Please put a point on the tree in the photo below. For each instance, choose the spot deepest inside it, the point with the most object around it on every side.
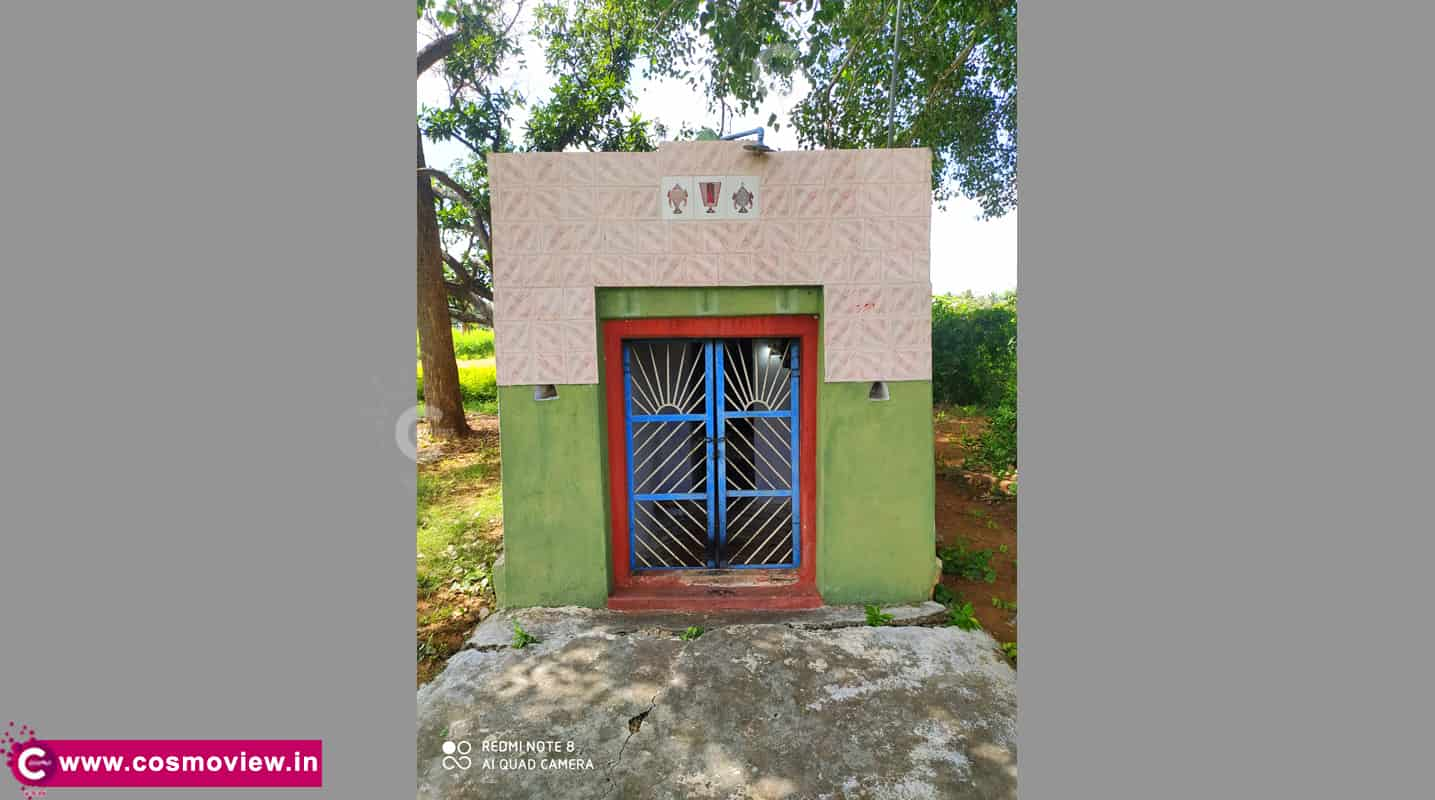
(472, 48)
(591, 50)
(443, 398)
(955, 87)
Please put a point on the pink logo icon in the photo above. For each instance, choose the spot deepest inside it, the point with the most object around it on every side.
(31, 761)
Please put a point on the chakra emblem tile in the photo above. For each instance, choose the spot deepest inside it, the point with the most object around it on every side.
(743, 196)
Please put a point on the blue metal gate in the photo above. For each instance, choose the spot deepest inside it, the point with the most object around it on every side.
(712, 454)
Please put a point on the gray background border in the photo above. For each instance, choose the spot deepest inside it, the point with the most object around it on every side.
(207, 320)
(1224, 386)
(206, 324)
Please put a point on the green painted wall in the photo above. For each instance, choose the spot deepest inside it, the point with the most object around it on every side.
(555, 534)
(875, 482)
(732, 301)
(876, 494)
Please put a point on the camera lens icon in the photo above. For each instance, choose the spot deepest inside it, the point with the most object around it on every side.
(455, 755)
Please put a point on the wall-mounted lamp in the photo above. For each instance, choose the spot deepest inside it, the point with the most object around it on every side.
(759, 148)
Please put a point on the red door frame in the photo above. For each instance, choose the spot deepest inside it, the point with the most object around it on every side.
(802, 327)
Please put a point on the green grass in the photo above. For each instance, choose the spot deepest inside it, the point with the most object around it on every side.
(451, 545)
(434, 486)
(521, 638)
(472, 408)
(458, 506)
(477, 383)
(472, 344)
(459, 536)
(477, 377)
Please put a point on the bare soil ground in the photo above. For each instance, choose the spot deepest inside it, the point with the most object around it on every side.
(971, 508)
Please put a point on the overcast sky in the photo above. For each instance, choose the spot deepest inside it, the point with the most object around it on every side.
(967, 253)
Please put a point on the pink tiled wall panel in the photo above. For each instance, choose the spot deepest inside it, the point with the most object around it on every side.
(856, 222)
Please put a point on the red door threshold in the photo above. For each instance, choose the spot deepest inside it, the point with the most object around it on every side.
(686, 599)
(716, 590)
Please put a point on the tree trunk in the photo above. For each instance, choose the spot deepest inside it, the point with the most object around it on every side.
(443, 401)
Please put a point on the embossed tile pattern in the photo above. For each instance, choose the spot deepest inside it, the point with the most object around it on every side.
(856, 222)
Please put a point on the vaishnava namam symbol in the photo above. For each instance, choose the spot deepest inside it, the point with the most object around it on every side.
(677, 198)
(742, 199)
(709, 194)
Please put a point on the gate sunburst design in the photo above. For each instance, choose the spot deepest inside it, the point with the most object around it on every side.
(712, 452)
(669, 453)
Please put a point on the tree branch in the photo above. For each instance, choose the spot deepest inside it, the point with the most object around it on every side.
(449, 194)
(459, 269)
(960, 62)
(437, 50)
(443, 178)
(463, 316)
(470, 282)
(853, 43)
(482, 313)
(516, 13)
(467, 143)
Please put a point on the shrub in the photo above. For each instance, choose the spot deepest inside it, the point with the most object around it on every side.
(964, 617)
(995, 449)
(973, 348)
(972, 565)
(945, 596)
(474, 344)
(478, 384)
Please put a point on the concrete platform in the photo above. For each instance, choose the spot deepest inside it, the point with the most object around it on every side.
(799, 704)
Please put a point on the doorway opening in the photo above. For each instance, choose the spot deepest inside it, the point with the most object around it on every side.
(711, 463)
(712, 431)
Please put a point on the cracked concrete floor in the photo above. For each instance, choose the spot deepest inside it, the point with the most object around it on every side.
(763, 705)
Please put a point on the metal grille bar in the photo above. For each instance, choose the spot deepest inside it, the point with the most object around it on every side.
(757, 464)
(668, 414)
